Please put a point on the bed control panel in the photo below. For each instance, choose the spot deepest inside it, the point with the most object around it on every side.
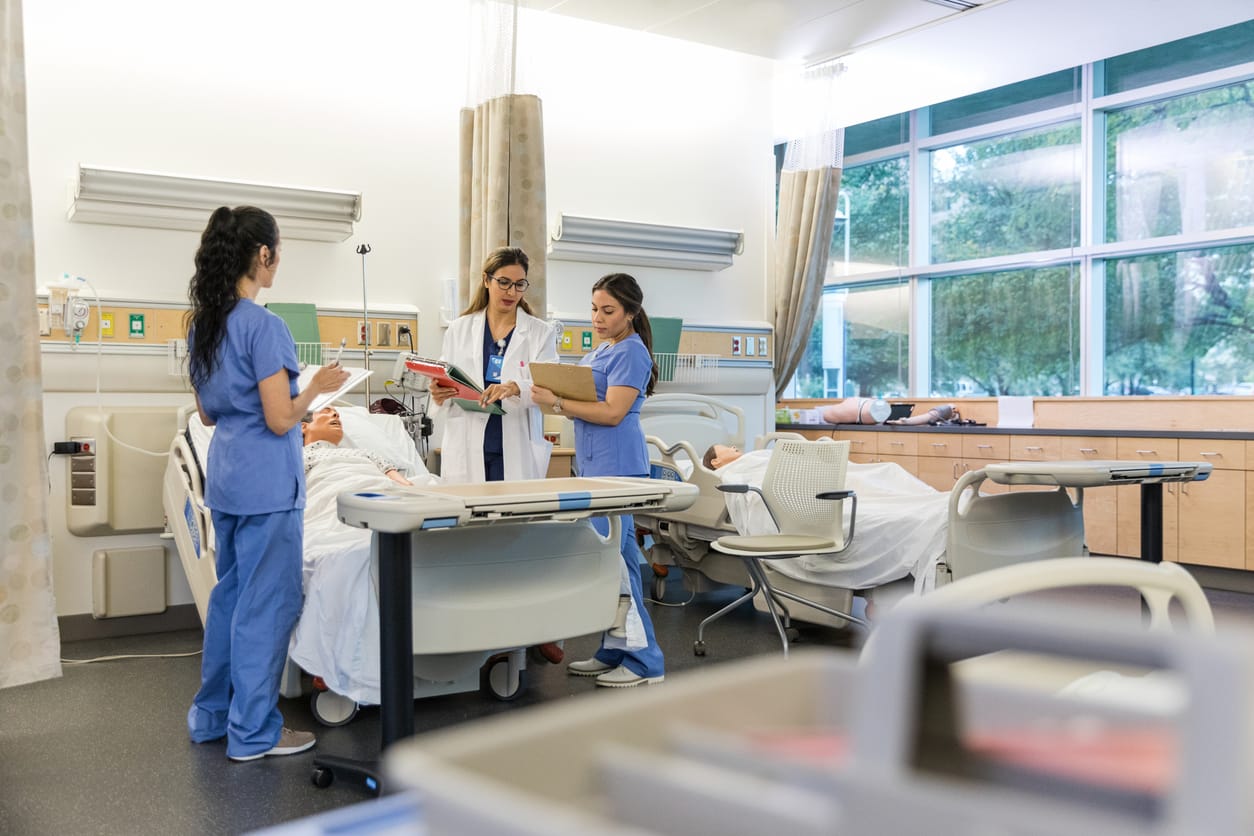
(83, 472)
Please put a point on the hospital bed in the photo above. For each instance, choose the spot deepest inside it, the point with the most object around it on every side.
(337, 639)
(467, 567)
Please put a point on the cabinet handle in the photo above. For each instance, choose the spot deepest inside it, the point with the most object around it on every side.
(939, 444)
(903, 444)
(1184, 489)
(859, 441)
(953, 470)
(1147, 452)
(1088, 450)
(1216, 455)
(984, 447)
(1033, 449)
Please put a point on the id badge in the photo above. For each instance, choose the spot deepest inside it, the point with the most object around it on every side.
(495, 363)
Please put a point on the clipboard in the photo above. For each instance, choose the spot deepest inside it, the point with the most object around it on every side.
(564, 380)
(450, 376)
(355, 376)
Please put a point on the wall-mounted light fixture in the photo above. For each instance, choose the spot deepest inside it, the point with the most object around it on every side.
(168, 201)
(606, 241)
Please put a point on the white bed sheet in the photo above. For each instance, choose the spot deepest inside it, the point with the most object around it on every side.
(337, 637)
(901, 527)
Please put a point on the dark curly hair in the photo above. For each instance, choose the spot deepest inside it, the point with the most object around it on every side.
(227, 248)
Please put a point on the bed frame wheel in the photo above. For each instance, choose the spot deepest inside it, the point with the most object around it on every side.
(657, 588)
(698, 648)
(332, 709)
(501, 680)
(322, 777)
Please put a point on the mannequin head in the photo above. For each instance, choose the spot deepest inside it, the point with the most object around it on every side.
(323, 425)
(719, 455)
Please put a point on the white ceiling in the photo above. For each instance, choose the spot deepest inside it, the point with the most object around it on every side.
(903, 54)
(790, 30)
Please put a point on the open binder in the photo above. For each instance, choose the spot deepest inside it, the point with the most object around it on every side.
(450, 376)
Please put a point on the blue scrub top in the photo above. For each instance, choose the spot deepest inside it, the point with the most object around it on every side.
(616, 451)
(250, 469)
(493, 440)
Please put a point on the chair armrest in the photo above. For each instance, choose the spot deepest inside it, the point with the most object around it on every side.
(758, 491)
(853, 511)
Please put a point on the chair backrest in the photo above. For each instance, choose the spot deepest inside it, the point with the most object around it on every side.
(796, 472)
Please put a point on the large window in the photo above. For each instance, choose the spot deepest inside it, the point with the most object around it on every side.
(1179, 323)
(981, 242)
(1181, 166)
(860, 344)
(1012, 194)
(1008, 333)
(872, 230)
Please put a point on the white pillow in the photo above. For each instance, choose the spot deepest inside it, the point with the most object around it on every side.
(384, 434)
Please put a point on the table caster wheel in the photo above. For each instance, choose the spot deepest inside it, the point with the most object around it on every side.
(698, 648)
(322, 777)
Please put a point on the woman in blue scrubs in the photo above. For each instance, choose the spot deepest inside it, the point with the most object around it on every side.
(243, 369)
(610, 442)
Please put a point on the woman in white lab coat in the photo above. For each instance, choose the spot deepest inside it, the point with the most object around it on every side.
(493, 341)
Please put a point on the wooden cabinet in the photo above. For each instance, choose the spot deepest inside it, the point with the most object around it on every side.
(1212, 513)
(945, 457)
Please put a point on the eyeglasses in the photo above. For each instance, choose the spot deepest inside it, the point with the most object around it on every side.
(505, 284)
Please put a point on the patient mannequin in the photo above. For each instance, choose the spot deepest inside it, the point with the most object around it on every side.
(323, 433)
(873, 411)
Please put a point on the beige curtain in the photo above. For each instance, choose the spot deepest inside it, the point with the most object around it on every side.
(803, 242)
(502, 190)
(30, 643)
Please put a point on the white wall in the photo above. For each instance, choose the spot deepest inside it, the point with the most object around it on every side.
(365, 96)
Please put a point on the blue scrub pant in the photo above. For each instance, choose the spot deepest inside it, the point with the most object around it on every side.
(647, 661)
(252, 612)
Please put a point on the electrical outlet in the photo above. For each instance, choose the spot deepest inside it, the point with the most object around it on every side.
(45, 327)
(361, 332)
(403, 329)
(749, 346)
(735, 346)
(384, 332)
(761, 346)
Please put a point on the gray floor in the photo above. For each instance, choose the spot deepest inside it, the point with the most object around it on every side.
(104, 749)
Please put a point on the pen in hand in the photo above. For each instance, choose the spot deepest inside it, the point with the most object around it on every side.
(339, 352)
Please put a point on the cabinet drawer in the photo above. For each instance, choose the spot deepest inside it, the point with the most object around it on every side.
(1035, 448)
(1222, 454)
(992, 447)
(859, 443)
(940, 444)
(1149, 449)
(1087, 448)
(897, 444)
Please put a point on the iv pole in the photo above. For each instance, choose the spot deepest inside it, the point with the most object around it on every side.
(362, 250)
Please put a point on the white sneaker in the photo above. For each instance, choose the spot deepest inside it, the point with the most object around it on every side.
(588, 667)
(290, 742)
(624, 677)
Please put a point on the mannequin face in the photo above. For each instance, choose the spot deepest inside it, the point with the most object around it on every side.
(325, 426)
(724, 455)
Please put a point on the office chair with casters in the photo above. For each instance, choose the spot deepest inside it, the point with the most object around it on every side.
(803, 491)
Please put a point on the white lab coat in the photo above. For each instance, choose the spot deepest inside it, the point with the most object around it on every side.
(522, 426)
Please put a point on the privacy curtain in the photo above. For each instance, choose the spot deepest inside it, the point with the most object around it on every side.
(30, 643)
(502, 154)
(808, 188)
(502, 190)
(803, 243)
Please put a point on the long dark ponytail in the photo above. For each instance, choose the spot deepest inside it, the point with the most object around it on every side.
(227, 248)
(627, 293)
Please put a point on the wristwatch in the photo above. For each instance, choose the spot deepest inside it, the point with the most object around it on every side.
(557, 406)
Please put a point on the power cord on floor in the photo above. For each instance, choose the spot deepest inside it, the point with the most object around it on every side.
(131, 656)
(674, 604)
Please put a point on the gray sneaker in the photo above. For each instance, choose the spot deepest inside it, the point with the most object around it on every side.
(588, 667)
(290, 743)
